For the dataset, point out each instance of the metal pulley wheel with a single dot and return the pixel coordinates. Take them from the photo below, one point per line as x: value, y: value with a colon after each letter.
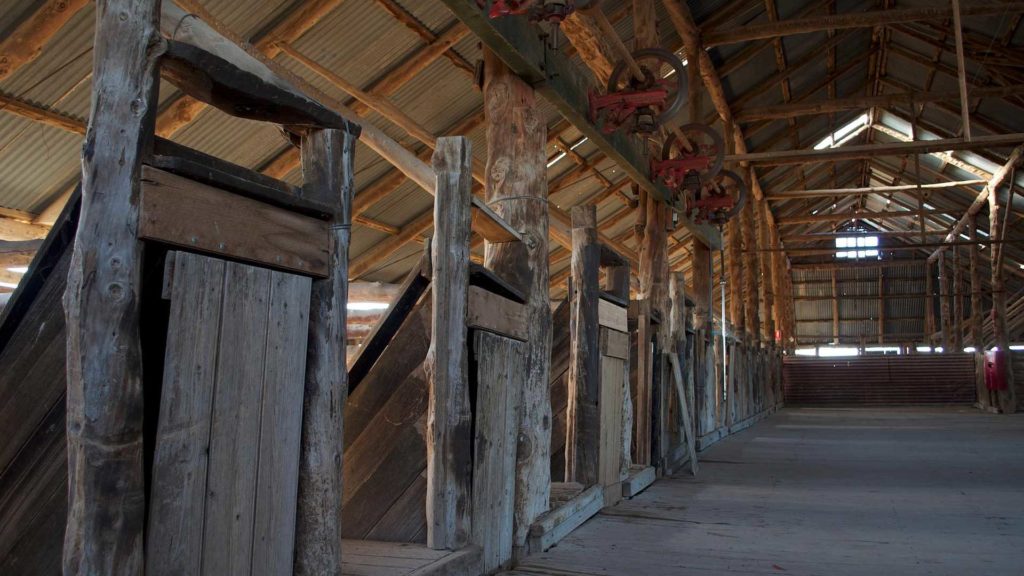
x: 662, y: 70
x: 728, y: 182
x: 705, y: 142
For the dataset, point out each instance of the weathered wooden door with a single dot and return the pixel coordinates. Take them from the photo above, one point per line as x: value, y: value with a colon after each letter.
x: 225, y: 470
x: 614, y: 386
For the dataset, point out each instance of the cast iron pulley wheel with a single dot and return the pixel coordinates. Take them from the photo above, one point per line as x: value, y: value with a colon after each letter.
x: 728, y: 182
x: 704, y: 141
x: 661, y: 69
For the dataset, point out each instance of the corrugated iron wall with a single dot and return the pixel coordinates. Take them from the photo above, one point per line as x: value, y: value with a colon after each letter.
x: 860, y: 310
x: 880, y: 380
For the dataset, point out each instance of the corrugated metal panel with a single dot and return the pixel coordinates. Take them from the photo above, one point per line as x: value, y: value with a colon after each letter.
x: 880, y: 380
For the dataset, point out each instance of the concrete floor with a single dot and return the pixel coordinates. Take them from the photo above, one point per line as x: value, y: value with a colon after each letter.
x: 903, y: 491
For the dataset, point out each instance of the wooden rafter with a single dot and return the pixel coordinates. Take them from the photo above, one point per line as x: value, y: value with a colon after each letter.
x: 867, y: 19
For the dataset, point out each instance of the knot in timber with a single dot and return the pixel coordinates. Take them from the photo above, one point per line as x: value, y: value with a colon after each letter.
x: 115, y: 290
x: 524, y: 447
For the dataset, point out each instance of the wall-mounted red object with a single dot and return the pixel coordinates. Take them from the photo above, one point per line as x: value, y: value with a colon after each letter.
x: 995, y: 370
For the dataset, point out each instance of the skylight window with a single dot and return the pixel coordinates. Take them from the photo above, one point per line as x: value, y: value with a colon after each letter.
x: 857, y: 247
x: 844, y: 134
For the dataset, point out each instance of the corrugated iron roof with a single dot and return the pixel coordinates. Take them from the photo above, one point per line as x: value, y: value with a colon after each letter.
x: 361, y: 42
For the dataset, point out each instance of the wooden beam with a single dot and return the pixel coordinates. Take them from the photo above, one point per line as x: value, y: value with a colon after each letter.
x: 961, y: 69
x: 378, y: 104
x: 857, y: 215
x: 831, y: 106
x: 827, y: 192
x: 11, y: 229
x: 1016, y: 156
x: 858, y: 152
x: 43, y: 116
x: 106, y: 480
x: 857, y: 265
x: 516, y: 138
x: 583, y: 417
x: 182, y: 110
x: 327, y: 157
x: 865, y: 19
x: 207, y: 65
x: 514, y: 41
x: 449, y: 413
x: 26, y: 41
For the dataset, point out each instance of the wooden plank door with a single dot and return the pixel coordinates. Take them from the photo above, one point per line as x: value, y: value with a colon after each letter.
x: 614, y: 387
x: 500, y: 363
x: 225, y: 471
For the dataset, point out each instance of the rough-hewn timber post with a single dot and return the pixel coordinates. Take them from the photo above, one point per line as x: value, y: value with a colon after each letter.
x: 327, y: 157
x: 704, y: 388
x: 958, y: 303
x: 835, y: 308
x: 944, y: 304
x: 977, y: 332
x: 750, y: 293
x: 583, y: 417
x: 449, y: 417
x: 1001, y: 337
x: 652, y: 274
x: 929, y: 305
x: 735, y: 256
x: 106, y: 492
x: 516, y: 188
x: 768, y: 298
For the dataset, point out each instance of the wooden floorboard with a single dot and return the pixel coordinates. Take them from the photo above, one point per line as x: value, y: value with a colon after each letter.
x: 909, y: 491
x: 374, y: 558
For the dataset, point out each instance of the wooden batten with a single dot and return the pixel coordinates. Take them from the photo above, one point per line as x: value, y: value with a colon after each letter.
x: 195, y: 165
x: 186, y: 213
x: 493, y: 313
x: 612, y: 315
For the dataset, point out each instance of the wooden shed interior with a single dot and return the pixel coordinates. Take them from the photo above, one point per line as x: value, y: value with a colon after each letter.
x: 422, y: 287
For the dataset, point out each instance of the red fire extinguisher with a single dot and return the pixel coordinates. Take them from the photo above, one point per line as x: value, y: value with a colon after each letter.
x: 995, y: 370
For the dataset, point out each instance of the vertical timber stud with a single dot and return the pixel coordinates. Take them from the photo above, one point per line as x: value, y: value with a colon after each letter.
x: 1000, y: 335
x: 449, y: 419
x: 327, y: 160
x: 583, y: 417
x: 516, y: 188
x: 977, y: 333
x: 106, y: 492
